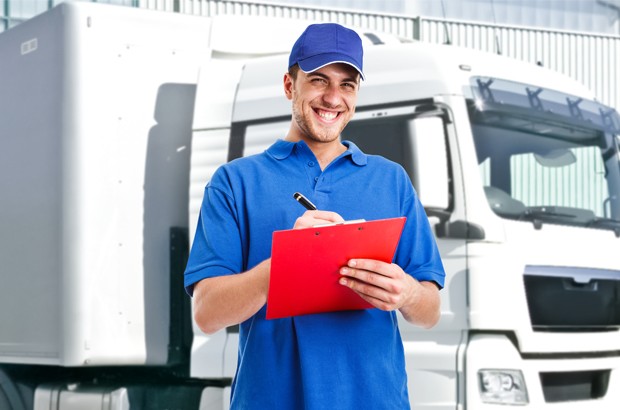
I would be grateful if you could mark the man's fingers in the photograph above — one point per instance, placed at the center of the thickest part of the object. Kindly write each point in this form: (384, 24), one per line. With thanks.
(383, 285)
(371, 265)
(313, 218)
(326, 216)
(376, 296)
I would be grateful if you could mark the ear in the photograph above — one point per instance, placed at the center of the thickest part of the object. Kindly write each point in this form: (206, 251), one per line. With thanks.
(288, 86)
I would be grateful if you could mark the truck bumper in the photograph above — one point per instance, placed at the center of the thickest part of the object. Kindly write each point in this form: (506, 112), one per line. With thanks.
(565, 381)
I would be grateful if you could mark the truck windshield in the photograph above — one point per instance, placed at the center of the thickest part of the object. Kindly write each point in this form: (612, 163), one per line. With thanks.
(545, 156)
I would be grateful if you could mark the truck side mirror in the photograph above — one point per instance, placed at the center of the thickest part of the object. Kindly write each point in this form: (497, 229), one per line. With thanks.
(430, 160)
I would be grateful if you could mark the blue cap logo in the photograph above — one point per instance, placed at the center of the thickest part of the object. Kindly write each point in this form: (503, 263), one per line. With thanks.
(324, 44)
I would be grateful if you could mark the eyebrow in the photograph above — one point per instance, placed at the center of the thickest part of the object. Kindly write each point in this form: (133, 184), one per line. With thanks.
(345, 80)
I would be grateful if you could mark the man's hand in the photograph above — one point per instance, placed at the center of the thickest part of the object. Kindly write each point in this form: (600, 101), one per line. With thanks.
(387, 287)
(384, 285)
(313, 218)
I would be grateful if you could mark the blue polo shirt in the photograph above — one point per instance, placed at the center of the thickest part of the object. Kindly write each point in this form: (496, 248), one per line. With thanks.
(340, 360)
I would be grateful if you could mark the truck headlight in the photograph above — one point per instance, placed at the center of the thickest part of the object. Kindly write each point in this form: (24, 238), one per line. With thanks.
(502, 386)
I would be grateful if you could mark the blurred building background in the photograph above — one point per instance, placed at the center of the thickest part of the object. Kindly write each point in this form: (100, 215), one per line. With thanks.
(592, 16)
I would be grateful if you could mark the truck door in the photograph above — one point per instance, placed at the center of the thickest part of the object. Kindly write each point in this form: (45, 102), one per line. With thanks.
(418, 136)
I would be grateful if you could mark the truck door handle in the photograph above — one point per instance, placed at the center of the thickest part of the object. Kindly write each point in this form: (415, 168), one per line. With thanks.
(571, 284)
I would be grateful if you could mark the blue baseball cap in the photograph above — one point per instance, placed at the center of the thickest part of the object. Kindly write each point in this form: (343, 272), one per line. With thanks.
(323, 44)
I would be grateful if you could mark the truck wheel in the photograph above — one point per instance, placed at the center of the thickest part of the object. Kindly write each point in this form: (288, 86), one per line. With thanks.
(10, 397)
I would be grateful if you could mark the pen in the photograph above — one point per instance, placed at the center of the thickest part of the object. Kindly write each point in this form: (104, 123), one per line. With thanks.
(304, 201)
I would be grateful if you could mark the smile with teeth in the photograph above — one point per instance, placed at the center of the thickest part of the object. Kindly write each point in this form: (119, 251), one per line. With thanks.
(327, 115)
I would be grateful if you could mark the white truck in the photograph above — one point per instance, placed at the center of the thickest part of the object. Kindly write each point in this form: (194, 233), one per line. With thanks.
(112, 120)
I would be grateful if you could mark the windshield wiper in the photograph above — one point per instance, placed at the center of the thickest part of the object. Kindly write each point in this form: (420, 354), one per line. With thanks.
(568, 216)
(606, 223)
(557, 214)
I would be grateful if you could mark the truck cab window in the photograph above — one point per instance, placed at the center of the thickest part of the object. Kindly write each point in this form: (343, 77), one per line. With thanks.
(388, 138)
(551, 159)
(415, 139)
(417, 142)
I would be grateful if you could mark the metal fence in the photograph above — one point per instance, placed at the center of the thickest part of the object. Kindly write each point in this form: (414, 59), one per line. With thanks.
(396, 24)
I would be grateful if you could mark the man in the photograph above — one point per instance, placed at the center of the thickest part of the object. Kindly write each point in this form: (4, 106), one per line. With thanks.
(338, 360)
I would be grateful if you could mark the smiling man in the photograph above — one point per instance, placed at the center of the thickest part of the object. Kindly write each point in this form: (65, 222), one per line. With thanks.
(337, 360)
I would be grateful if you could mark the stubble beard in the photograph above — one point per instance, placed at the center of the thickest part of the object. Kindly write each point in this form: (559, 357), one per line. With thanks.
(311, 132)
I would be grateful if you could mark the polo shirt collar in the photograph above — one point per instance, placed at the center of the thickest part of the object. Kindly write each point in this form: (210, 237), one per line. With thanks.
(283, 149)
(357, 156)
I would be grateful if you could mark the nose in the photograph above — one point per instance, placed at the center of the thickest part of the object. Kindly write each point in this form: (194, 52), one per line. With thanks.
(332, 96)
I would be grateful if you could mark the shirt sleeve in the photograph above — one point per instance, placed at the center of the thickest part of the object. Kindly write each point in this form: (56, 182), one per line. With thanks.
(216, 249)
(417, 252)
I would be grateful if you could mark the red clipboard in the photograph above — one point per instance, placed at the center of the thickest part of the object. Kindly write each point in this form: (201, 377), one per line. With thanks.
(305, 265)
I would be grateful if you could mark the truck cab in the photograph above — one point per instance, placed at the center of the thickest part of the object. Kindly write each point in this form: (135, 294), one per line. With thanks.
(517, 168)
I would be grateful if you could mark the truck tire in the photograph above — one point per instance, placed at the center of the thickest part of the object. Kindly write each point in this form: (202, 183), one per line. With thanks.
(10, 397)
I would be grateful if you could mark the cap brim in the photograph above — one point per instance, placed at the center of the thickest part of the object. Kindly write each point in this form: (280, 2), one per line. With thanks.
(314, 63)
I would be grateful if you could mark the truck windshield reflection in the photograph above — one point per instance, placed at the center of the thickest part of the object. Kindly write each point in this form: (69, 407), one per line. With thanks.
(545, 156)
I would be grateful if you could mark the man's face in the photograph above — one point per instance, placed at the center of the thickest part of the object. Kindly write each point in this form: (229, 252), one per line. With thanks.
(323, 102)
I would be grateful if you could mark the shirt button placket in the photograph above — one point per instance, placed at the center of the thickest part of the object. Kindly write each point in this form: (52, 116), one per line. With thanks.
(314, 170)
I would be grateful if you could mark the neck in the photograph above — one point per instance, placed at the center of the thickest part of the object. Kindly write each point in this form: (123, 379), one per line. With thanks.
(325, 153)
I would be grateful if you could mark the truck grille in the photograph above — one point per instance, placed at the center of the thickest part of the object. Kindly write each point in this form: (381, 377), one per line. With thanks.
(573, 386)
(572, 299)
